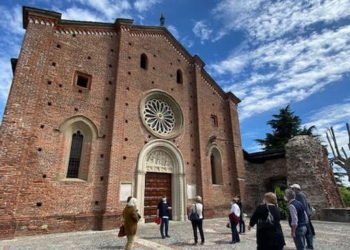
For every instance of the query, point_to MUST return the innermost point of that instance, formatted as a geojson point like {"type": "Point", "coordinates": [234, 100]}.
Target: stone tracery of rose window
{"type": "Point", "coordinates": [159, 116]}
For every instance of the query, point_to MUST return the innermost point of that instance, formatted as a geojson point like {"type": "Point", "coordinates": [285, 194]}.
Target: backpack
{"type": "Point", "coordinates": [193, 215]}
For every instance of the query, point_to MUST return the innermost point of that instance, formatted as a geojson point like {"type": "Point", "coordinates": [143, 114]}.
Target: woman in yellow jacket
{"type": "Point", "coordinates": [131, 217]}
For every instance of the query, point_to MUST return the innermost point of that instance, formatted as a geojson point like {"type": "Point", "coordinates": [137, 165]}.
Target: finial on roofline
{"type": "Point", "coordinates": [162, 20]}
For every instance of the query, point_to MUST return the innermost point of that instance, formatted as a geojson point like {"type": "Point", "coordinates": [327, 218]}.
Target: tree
{"type": "Point", "coordinates": [339, 156]}
{"type": "Point", "coordinates": [285, 126]}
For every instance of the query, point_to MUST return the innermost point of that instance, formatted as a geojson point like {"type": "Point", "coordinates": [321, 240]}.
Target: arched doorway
{"type": "Point", "coordinates": [160, 159]}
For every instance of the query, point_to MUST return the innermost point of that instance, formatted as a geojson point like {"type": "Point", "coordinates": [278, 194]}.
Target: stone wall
{"type": "Point", "coordinates": [304, 162]}
{"type": "Point", "coordinates": [307, 165]}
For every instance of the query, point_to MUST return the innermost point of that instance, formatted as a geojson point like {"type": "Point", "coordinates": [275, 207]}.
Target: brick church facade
{"type": "Point", "coordinates": [101, 111]}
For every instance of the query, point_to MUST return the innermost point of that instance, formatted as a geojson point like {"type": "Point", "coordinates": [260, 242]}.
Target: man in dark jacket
{"type": "Point", "coordinates": [241, 217]}
{"type": "Point", "coordinates": [301, 197]}
{"type": "Point", "coordinates": [164, 214]}
{"type": "Point", "coordinates": [297, 220]}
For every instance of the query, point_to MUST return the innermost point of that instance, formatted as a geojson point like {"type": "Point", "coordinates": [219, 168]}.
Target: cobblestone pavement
{"type": "Point", "coordinates": [329, 236]}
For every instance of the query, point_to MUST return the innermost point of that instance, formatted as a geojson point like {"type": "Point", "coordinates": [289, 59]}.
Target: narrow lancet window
{"type": "Point", "coordinates": [143, 61]}
{"type": "Point", "coordinates": [179, 76]}
{"type": "Point", "coordinates": [75, 155]}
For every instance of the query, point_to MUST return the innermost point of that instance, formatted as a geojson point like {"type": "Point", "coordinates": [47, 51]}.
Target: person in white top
{"type": "Point", "coordinates": [197, 219]}
{"type": "Point", "coordinates": [237, 212]}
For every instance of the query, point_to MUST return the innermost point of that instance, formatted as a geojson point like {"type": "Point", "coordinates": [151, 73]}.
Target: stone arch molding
{"type": "Point", "coordinates": [162, 156]}
{"type": "Point", "coordinates": [81, 120]}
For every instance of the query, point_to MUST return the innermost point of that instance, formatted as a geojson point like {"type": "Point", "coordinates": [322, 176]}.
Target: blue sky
{"type": "Point", "coordinates": [269, 53]}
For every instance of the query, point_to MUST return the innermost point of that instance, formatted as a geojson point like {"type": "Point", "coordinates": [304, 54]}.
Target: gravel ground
{"type": "Point", "coordinates": [329, 236]}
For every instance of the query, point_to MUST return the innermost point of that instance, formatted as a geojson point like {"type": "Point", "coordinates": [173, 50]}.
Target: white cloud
{"type": "Point", "coordinates": [336, 116]}
{"type": "Point", "coordinates": [173, 31]}
{"type": "Point", "coordinates": [286, 70]}
{"type": "Point", "coordinates": [270, 19]}
{"type": "Point", "coordinates": [202, 30]}
{"type": "Point", "coordinates": [144, 5]}
{"type": "Point", "coordinates": [11, 20]}
{"type": "Point", "coordinates": [5, 79]}
{"type": "Point", "coordinates": [75, 13]}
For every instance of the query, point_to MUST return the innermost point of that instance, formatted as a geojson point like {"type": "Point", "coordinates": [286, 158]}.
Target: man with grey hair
{"type": "Point", "coordinates": [301, 197]}
{"type": "Point", "coordinates": [297, 220]}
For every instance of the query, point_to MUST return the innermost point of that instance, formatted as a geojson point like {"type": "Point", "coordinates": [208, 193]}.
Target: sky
{"type": "Point", "coordinates": [269, 53]}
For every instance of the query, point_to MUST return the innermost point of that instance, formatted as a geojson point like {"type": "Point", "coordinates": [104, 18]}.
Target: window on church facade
{"type": "Point", "coordinates": [75, 155]}
{"type": "Point", "coordinates": [179, 76]}
{"type": "Point", "coordinates": [214, 120]}
{"type": "Point", "coordinates": [215, 164]}
{"type": "Point", "coordinates": [144, 61]}
{"type": "Point", "coordinates": [82, 80]}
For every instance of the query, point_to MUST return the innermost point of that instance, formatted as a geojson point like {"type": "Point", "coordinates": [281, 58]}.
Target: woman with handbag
{"type": "Point", "coordinates": [131, 218]}
{"type": "Point", "coordinates": [269, 235]}
{"type": "Point", "coordinates": [196, 218]}
{"type": "Point", "coordinates": [234, 215]}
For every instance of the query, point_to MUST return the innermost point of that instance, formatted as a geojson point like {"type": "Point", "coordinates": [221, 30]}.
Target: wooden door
{"type": "Point", "coordinates": [156, 185]}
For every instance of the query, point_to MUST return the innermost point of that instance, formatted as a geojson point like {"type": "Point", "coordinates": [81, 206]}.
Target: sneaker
{"type": "Point", "coordinates": [168, 236]}
{"type": "Point", "coordinates": [202, 243]}
{"type": "Point", "coordinates": [195, 243]}
{"type": "Point", "coordinates": [163, 237]}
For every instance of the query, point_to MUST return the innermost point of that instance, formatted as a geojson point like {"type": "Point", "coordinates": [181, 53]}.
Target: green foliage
{"type": "Point", "coordinates": [282, 204]}
{"type": "Point", "coordinates": [285, 125]}
{"type": "Point", "coordinates": [345, 195]}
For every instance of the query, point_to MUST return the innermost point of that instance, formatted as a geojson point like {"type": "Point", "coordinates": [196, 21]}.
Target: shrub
{"type": "Point", "coordinates": [282, 204]}
{"type": "Point", "coordinates": [345, 195]}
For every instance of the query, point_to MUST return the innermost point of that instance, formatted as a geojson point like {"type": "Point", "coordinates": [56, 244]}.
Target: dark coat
{"type": "Point", "coordinates": [268, 238]}
{"type": "Point", "coordinates": [130, 220]}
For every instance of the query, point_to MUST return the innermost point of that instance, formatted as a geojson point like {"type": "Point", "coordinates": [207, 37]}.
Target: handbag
{"type": "Point", "coordinates": [121, 231]}
{"type": "Point", "coordinates": [157, 220]}
{"type": "Point", "coordinates": [233, 218]}
{"type": "Point", "coordinates": [268, 223]}
{"type": "Point", "coordinates": [194, 215]}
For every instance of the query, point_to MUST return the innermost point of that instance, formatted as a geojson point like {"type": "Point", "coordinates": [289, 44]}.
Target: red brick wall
{"type": "Point", "coordinates": [45, 73]}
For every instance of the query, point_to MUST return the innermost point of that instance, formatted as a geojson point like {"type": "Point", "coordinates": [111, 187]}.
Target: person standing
{"type": "Point", "coordinates": [268, 237]}
{"type": "Point", "coordinates": [301, 197]}
{"type": "Point", "coordinates": [196, 217]}
{"type": "Point", "coordinates": [164, 214]}
{"type": "Point", "coordinates": [131, 218]}
{"type": "Point", "coordinates": [235, 213]}
{"type": "Point", "coordinates": [297, 220]}
{"type": "Point", "coordinates": [241, 218]}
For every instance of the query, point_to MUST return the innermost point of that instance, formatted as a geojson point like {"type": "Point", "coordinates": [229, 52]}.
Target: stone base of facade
{"type": "Point", "coordinates": [25, 226]}
{"type": "Point", "coordinates": [335, 214]}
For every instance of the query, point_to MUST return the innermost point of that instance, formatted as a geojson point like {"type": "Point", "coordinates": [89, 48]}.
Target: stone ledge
{"type": "Point", "coordinates": [335, 214]}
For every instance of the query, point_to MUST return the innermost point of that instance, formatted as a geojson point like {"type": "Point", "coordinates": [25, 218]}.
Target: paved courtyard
{"type": "Point", "coordinates": [329, 235]}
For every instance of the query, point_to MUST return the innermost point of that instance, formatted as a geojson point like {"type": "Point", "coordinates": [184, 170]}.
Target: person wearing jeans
{"type": "Point", "coordinates": [164, 214]}
{"type": "Point", "coordinates": [297, 220]}
{"type": "Point", "coordinates": [197, 208]}
{"type": "Point", "coordinates": [236, 212]}
{"type": "Point", "coordinates": [301, 197]}
{"type": "Point", "coordinates": [241, 218]}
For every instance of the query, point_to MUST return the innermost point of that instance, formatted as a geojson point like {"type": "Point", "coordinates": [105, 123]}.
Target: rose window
{"type": "Point", "coordinates": [159, 116]}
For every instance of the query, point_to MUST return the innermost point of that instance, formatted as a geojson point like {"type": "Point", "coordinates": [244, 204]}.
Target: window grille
{"type": "Point", "coordinates": [75, 155]}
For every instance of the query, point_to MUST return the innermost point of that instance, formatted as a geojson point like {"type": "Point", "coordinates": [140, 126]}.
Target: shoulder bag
{"type": "Point", "coordinates": [268, 223]}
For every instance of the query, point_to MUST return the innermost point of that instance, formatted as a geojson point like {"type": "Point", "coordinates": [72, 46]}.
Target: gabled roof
{"type": "Point", "coordinates": [55, 17]}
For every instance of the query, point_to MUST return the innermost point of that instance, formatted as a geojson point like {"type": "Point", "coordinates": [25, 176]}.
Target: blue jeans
{"type": "Point", "coordinates": [164, 223]}
{"type": "Point", "coordinates": [299, 239]}
{"type": "Point", "coordinates": [309, 236]}
{"type": "Point", "coordinates": [235, 235]}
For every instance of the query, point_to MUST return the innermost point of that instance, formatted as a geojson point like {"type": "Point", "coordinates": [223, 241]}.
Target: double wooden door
{"type": "Point", "coordinates": [156, 185]}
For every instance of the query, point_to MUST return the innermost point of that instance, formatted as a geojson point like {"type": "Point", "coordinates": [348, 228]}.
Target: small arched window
{"type": "Point", "coordinates": [215, 164]}
{"type": "Point", "coordinates": [143, 61]}
{"type": "Point", "coordinates": [179, 76]}
{"type": "Point", "coordinates": [75, 155]}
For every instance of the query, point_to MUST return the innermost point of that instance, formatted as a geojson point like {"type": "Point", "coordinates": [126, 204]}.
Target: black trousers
{"type": "Point", "coordinates": [164, 223]}
{"type": "Point", "coordinates": [241, 225]}
{"type": "Point", "coordinates": [197, 224]}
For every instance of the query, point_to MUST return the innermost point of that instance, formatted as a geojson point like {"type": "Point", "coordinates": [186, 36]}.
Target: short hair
{"type": "Point", "coordinates": [290, 194]}
{"type": "Point", "coordinates": [198, 198]}
{"type": "Point", "coordinates": [132, 202]}
{"type": "Point", "coordinates": [270, 197]}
